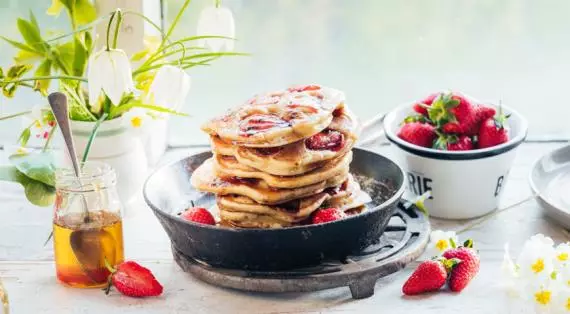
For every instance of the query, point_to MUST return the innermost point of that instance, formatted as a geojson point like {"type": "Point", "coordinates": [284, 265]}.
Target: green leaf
{"type": "Point", "coordinates": [20, 45]}
{"type": "Point", "coordinates": [65, 53]}
{"type": "Point", "coordinates": [84, 12]}
{"type": "Point", "coordinates": [55, 8]}
{"type": "Point", "coordinates": [31, 35]}
{"type": "Point", "coordinates": [138, 56]}
{"type": "Point", "coordinates": [88, 42]}
{"type": "Point", "coordinates": [1, 73]}
{"type": "Point", "coordinates": [24, 137]}
{"type": "Point", "coordinates": [9, 90]}
{"type": "Point", "coordinates": [44, 69]}
{"type": "Point", "coordinates": [36, 192]}
{"type": "Point", "coordinates": [80, 58]}
{"type": "Point", "coordinates": [37, 166]}
{"type": "Point", "coordinates": [69, 4]}
{"type": "Point", "coordinates": [24, 56]}
{"type": "Point", "coordinates": [77, 109]}
{"type": "Point", "coordinates": [119, 110]}
{"type": "Point", "coordinates": [16, 71]}
{"type": "Point", "coordinates": [34, 21]}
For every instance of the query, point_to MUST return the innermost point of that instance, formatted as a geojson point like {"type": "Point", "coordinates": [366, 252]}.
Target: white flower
{"type": "Point", "coordinates": [216, 21]}
{"type": "Point", "coordinates": [109, 71]}
{"type": "Point", "coordinates": [40, 121]}
{"type": "Point", "coordinates": [169, 87]}
{"type": "Point", "coordinates": [536, 258]}
{"type": "Point", "coordinates": [561, 255]}
{"type": "Point", "coordinates": [440, 241]}
{"type": "Point", "coordinates": [137, 118]}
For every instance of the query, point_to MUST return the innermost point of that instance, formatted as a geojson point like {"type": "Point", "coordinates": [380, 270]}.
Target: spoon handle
{"type": "Point", "coordinates": [58, 103]}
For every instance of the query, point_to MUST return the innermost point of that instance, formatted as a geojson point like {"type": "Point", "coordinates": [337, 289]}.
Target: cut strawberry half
{"type": "Point", "coordinates": [133, 280]}
{"type": "Point", "coordinates": [302, 88]}
{"type": "Point", "coordinates": [326, 140]}
{"type": "Point", "coordinates": [261, 122]}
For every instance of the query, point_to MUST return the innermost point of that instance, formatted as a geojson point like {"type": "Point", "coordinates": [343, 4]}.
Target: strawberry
{"type": "Point", "coordinates": [463, 272]}
{"type": "Point", "coordinates": [327, 215]}
{"type": "Point", "coordinates": [133, 280]}
{"type": "Point", "coordinates": [454, 113]}
{"type": "Point", "coordinates": [421, 134]}
{"type": "Point", "coordinates": [493, 132]}
{"type": "Point", "coordinates": [429, 276]}
{"type": "Point", "coordinates": [483, 112]}
{"type": "Point", "coordinates": [326, 140]}
{"type": "Point", "coordinates": [199, 215]}
{"type": "Point", "coordinates": [453, 142]}
{"type": "Point", "coordinates": [426, 102]}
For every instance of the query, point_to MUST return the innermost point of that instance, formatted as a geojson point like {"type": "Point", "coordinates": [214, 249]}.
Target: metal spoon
{"type": "Point", "coordinates": [58, 104]}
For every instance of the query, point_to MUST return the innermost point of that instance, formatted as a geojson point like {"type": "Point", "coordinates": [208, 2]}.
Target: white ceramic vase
{"type": "Point", "coordinates": [119, 146]}
{"type": "Point", "coordinates": [156, 142]}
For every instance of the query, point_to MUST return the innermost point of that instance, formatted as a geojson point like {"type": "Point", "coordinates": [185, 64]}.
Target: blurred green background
{"type": "Point", "coordinates": [380, 52]}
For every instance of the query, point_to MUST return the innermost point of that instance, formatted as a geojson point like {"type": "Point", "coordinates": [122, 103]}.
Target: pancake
{"type": "Point", "coordinates": [289, 212]}
{"type": "Point", "coordinates": [228, 167]}
{"type": "Point", "coordinates": [204, 179]}
{"type": "Point", "coordinates": [278, 118]}
{"type": "Point", "coordinates": [245, 220]}
{"type": "Point", "coordinates": [299, 157]}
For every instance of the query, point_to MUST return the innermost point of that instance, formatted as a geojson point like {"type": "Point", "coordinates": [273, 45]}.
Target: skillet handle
{"type": "Point", "coordinates": [373, 132]}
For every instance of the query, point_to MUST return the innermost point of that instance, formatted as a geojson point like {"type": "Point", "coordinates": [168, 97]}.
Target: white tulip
{"type": "Point", "coordinates": [216, 21]}
{"type": "Point", "coordinates": [169, 87]}
{"type": "Point", "coordinates": [109, 71]}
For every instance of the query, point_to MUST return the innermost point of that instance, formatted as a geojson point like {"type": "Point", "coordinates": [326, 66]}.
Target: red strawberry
{"type": "Point", "coordinates": [463, 272]}
{"type": "Point", "coordinates": [421, 134]}
{"type": "Point", "coordinates": [493, 132]}
{"type": "Point", "coordinates": [454, 113]}
{"type": "Point", "coordinates": [453, 142]}
{"type": "Point", "coordinates": [427, 101]}
{"type": "Point", "coordinates": [199, 215]}
{"type": "Point", "coordinates": [326, 140]}
{"type": "Point", "coordinates": [327, 215]}
{"type": "Point", "coordinates": [483, 112]}
{"type": "Point", "coordinates": [429, 276]}
{"type": "Point", "coordinates": [134, 280]}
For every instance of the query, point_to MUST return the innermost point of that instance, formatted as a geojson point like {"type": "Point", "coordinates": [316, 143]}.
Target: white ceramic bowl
{"type": "Point", "coordinates": [463, 184]}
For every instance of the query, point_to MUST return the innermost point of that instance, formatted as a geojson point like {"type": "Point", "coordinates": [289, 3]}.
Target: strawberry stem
{"type": "Point", "coordinates": [468, 243]}
{"type": "Point", "coordinates": [109, 267]}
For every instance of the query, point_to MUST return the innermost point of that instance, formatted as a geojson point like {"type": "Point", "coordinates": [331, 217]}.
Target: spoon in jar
{"type": "Point", "coordinates": [58, 104]}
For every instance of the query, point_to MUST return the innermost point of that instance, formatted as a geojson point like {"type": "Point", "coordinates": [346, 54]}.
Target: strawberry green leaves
{"type": "Point", "coordinates": [438, 112]}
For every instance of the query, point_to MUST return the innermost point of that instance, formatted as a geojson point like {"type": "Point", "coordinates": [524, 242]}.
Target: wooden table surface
{"type": "Point", "coordinates": [27, 269]}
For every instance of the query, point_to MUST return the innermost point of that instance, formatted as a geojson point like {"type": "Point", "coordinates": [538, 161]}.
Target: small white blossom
{"type": "Point", "coordinates": [137, 118]}
{"type": "Point", "coordinates": [561, 255]}
{"type": "Point", "coordinates": [440, 241]}
{"type": "Point", "coordinates": [109, 71]}
{"type": "Point", "coordinates": [536, 258]}
{"type": "Point", "coordinates": [216, 21]}
{"type": "Point", "coordinates": [40, 121]}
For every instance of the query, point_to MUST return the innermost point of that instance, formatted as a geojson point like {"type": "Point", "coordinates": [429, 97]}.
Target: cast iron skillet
{"type": "Point", "coordinates": [168, 192]}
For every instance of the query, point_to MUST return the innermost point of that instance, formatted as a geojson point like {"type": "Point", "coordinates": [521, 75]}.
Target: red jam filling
{"type": "Point", "coordinates": [268, 151]}
{"type": "Point", "coordinates": [240, 180]}
{"type": "Point", "coordinates": [326, 140]}
{"type": "Point", "coordinates": [332, 191]}
{"type": "Point", "coordinates": [302, 88]}
{"type": "Point", "coordinates": [338, 112]}
{"type": "Point", "coordinates": [260, 122]}
{"type": "Point", "coordinates": [303, 108]}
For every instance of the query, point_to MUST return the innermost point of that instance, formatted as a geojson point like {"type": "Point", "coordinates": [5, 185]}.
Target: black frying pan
{"type": "Point", "coordinates": [168, 192]}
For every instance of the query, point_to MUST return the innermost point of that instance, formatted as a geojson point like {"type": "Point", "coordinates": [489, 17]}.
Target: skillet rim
{"type": "Point", "coordinates": [384, 205]}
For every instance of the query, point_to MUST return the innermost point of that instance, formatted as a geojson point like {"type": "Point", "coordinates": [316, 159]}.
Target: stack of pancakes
{"type": "Point", "coordinates": [281, 156]}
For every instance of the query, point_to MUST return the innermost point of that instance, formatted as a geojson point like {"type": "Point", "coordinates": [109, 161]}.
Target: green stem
{"type": "Point", "coordinates": [184, 65]}
{"type": "Point", "coordinates": [117, 27]}
{"type": "Point", "coordinates": [40, 78]}
{"type": "Point", "coordinates": [15, 115]}
{"type": "Point", "coordinates": [48, 141]}
{"type": "Point", "coordinates": [175, 22]}
{"type": "Point", "coordinates": [218, 3]}
{"type": "Point", "coordinates": [109, 28]}
{"type": "Point", "coordinates": [153, 24]}
{"type": "Point", "coordinates": [92, 136]}
{"type": "Point", "coordinates": [168, 54]}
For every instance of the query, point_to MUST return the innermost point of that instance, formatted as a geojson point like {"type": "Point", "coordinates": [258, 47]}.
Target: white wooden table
{"type": "Point", "coordinates": [28, 273]}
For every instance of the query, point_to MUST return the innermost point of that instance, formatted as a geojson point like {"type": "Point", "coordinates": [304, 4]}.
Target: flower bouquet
{"type": "Point", "coordinates": [106, 94]}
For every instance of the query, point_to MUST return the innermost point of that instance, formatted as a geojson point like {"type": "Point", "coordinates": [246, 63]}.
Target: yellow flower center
{"type": "Point", "coordinates": [568, 304]}
{"type": "Point", "coordinates": [441, 245]}
{"type": "Point", "coordinates": [37, 124]}
{"type": "Point", "coordinates": [538, 266]}
{"type": "Point", "coordinates": [136, 122]}
{"type": "Point", "coordinates": [542, 297]}
{"type": "Point", "coordinates": [562, 257]}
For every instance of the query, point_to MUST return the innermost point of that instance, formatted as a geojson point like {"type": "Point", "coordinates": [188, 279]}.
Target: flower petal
{"type": "Point", "coordinates": [216, 22]}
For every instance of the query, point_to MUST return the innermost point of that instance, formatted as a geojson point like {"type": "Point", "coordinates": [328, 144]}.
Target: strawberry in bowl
{"type": "Point", "coordinates": [458, 148]}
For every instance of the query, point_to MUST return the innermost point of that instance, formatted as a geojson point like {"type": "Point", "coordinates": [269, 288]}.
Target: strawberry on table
{"type": "Point", "coordinates": [430, 275]}
{"type": "Point", "coordinates": [466, 270]}
{"type": "Point", "coordinates": [493, 132]}
{"type": "Point", "coordinates": [134, 280]}
{"type": "Point", "coordinates": [453, 142]}
{"type": "Point", "coordinates": [327, 215]}
{"type": "Point", "coordinates": [199, 215]}
{"type": "Point", "coordinates": [421, 134]}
